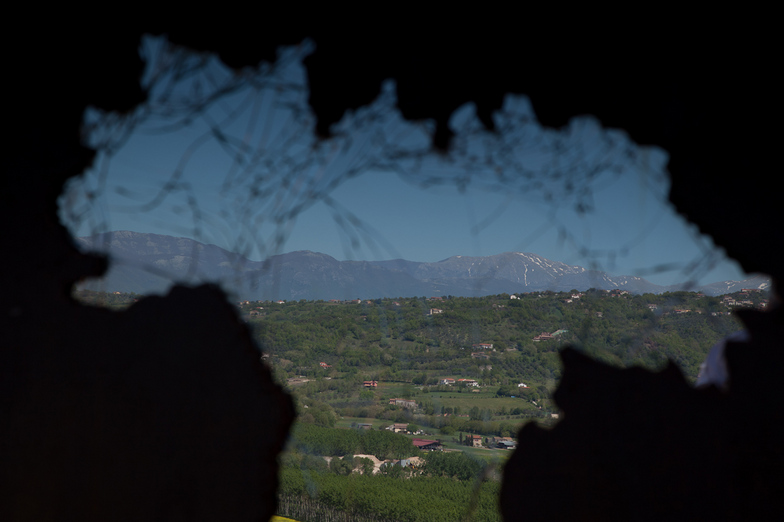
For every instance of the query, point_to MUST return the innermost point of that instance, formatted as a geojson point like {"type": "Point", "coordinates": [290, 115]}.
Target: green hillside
{"type": "Point", "coordinates": [400, 341]}
{"type": "Point", "coordinates": [446, 370]}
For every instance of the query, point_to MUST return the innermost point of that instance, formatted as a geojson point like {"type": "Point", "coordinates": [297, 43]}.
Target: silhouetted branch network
{"type": "Point", "coordinates": [260, 121]}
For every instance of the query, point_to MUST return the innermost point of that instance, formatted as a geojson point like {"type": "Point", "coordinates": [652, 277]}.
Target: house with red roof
{"type": "Point", "coordinates": [427, 445]}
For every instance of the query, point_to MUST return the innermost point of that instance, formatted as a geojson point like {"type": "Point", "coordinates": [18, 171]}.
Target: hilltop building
{"type": "Point", "coordinates": [405, 403]}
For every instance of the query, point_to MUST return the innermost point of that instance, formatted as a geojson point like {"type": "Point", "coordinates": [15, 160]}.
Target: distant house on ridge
{"type": "Point", "coordinates": [405, 403]}
{"type": "Point", "coordinates": [428, 445]}
{"type": "Point", "coordinates": [544, 336]}
{"type": "Point", "coordinates": [398, 428]}
{"type": "Point", "coordinates": [474, 440]}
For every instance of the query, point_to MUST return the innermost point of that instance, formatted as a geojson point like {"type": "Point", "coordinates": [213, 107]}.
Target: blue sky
{"type": "Point", "coordinates": [237, 189]}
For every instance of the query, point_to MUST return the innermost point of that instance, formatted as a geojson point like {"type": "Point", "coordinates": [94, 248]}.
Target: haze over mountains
{"type": "Point", "coordinates": [148, 263]}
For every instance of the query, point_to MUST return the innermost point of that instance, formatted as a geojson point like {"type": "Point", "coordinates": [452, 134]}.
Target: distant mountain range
{"type": "Point", "coordinates": [148, 263]}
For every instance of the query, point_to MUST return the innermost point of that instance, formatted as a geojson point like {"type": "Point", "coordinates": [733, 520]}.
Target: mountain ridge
{"type": "Point", "coordinates": [150, 263]}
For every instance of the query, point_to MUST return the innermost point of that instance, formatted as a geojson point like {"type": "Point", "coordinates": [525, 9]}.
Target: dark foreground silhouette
{"type": "Point", "coordinates": [164, 411]}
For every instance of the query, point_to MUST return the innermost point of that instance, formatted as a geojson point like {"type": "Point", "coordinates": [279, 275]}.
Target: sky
{"type": "Point", "coordinates": [246, 174]}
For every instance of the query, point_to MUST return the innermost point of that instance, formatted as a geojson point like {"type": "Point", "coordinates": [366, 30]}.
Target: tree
{"type": "Point", "coordinates": [366, 465]}
{"type": "Point", "coordinates": [342, 466]}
